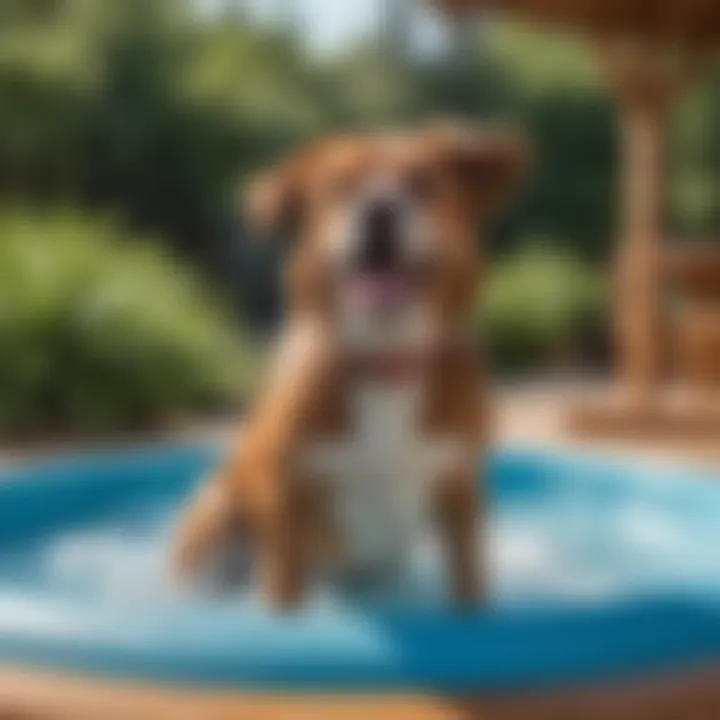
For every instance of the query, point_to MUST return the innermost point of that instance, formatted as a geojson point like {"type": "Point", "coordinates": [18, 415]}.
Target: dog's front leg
{"type": "Point", "coordinates": [285, 550]}
{"type": "Point", "coordinates": [458, 515]}
{"type": "Point", "coordinates": [205, 523]}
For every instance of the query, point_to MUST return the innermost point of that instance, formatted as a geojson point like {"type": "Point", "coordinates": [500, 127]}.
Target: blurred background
{"type": "Point", "coordinates": [130, 296]}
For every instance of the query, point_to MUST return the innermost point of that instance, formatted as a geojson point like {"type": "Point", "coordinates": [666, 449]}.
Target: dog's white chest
{"type": "Point", "coordinates": [383, 471]}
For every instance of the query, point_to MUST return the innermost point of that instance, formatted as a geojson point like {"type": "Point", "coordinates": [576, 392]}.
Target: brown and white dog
{"type": "Point", "coordinates": [373, 416]}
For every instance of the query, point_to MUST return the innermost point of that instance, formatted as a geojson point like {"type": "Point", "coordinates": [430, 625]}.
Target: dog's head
{"type": "Point", "coordinates": [386, 227]}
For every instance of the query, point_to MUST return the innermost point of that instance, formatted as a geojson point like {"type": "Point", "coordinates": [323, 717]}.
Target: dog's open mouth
{"type": "Point", "coordinates": [382, 293]}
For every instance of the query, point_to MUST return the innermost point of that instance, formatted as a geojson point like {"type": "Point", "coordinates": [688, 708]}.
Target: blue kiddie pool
{"type": "Point", "coordinates": [600, 571]}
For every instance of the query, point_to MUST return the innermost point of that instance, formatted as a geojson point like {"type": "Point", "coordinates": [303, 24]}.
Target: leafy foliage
{"type": "Point", "coordinates": [98, 333]}
{"type": "Point", "coordinates": [540, 306]}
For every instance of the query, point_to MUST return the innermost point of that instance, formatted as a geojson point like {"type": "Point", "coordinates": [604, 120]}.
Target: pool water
{"type": "Point", "coordinates": [577, 539]}
{"type": "Point", "coordinates": [84, 551]}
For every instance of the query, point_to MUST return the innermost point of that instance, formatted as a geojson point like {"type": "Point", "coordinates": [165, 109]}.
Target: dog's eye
{"type": "Point", "coordinates": [423, 184]}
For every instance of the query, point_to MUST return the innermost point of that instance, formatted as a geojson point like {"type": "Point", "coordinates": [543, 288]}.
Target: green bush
{"type": "Point", "coordinates": [539, 307]}
{"type": "Point", "coordinates": [99, 333]}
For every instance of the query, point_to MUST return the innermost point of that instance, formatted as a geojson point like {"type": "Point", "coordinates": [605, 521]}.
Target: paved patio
{"type": "Point", "coordinates": [535, 414]}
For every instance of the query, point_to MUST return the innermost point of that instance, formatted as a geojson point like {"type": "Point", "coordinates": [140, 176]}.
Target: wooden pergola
{"type": "Point", "coordinates": [650, 51]}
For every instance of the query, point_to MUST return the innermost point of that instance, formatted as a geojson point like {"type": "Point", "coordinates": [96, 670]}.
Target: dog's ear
{"type": "Point", "coordinates": [488, 162]}
{"type": "Point", "coordinates": [274, 201]}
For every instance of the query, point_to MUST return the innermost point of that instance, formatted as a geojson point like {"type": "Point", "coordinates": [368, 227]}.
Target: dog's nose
{"type": "Point", "coordinates": [381, 242]}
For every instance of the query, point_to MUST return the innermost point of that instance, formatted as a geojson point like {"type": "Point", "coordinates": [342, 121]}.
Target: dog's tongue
{"type": "Point", "coordinates": [379, 291]}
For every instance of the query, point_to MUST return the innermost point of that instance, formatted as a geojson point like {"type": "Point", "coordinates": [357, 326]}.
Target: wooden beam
{"type": "Point", "coordinates": [637, 320]}
{"type": "Point", "coordinates": [647, 79]}
{"type": "Point", "coordinates": [696, 21]}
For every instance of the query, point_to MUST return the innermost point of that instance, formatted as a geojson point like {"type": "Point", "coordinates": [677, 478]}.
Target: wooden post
{"type": "Point", "coordinates": [637, 318]}
{"type": "Point", "coordinates": [646, 84]}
